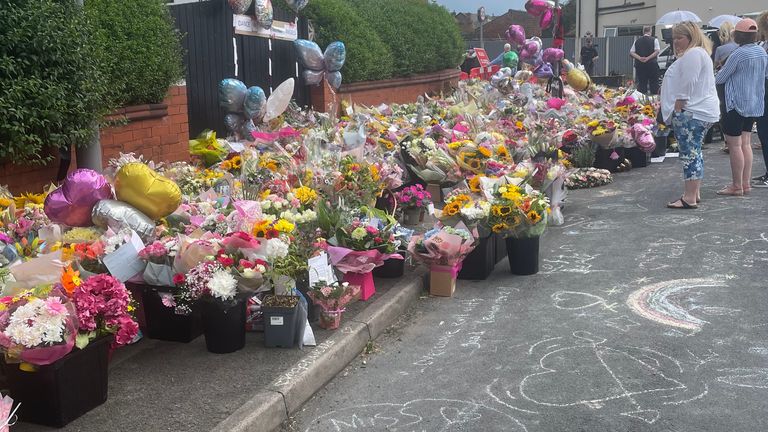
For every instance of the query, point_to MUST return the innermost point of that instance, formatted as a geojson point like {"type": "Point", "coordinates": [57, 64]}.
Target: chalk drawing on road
{"type": "Point", "coordinates": [622, 323]}
{"type": "Point", "coordinates": [661, 254]}
{"type": "Point", "coordinates": [716, 239]}
{"type": "Point", "coordinates": [745, 377]}
{"type": "Point", "coordinates": [659, 302]}
{"type": "Point", "coordinates": [576, 300]}
{"type": "Point", "coordinates": [571, 263]}
{"type": "Point", "coordinates": [586, 372]}
{"type": "Point", "coordinates": [417, 415]}
{"type": "Point", "coordinates": [619, 207]}
{"type": "Point", "coordinates": [672, 220]}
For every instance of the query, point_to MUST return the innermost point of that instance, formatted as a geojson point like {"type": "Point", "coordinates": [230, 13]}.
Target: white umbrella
{"type": "Point", "coordinates": [678, 16]}
{"type": "Point", "coordinates": [719, 20]}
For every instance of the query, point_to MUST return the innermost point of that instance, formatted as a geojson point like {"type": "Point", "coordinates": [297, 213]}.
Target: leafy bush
{"type": "Point", "coordinates": [423, 37]}
{"type": "Point", "coordinates": [51, 88]}
{"type": "Point", "coordinates": [368, 57]}
{"type": "Point", "coordinates": [144, 48]}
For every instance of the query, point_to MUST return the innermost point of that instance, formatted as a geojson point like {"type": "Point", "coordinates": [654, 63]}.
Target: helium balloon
{"type": "Point", "coordinates": [313, 77]}
{"type": "Point", "coordinates": [279, 99]}
{"type": "Point", "coordinates": [71, 204]}
{"type": "Point", "coordinates": [516, 34]}
{"type": "Point", "coordinates": [264, 13]}
{"type": "Point", "coordinates": [111, 213]}
{"type": "Point", "coordinates": [553, 55]}
{"type": "Point", "coordinates": [232, 94]}
{"type": "Point", "coordinates": [297, 5]}
{"type": "Point", "coordinates": [255, 102]}
{"type": "Point", "coordinates": [240, 6]}
{"type": "Point", "coordinates": [248, 129]}
{"type": "Point", "coordinates": [233, 122]}
{"type": "Point", "coordinates": [578, 79]}
{"type": "Point", "coordinates": [334, 79]}
{"type": "Point", "coordinates": [335, 55]}
{"type": "Point", "coordinates": [152, 194]}
{"type": "Point", "coordinates": [538, 7]}
{"type": "Point", "coordinates": [545, 21]}
{"type": "Point", "coordinates": [310, 55]}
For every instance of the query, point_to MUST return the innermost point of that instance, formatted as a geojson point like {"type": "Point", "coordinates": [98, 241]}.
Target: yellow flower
{"type": "Point", "coordinates": [226, 165]}
{"type": "Point", "coordinates": [265, 194]}
{"type": "Point", "coordinates": [499, 227]}
{"type": "Point", "coordinates": [474, 183]}
{"type": "Point", "coordinates": [237, 162]}
{"type": "Point", "coordinates": [452, 209]}
{"type": "Point", "coordinates": [455, 145]}
{"type": "Point", "coordinates": [260, 229]}
{"type": "Point", "coordinates": [375, 173]}
{"type": "Point", "coordinates": [5, 202]}
{"type": "Point", "coordinates": [502, 152]}
{"type": "Point", "coordinates": [70, 279]}
{"type": "Point", "coordinates": [29, 198]}
{"type": "Point", "coordinates": [593, 124]}
{"type": "Point", "coordinates": [511, 195]}
{"type": "Point", "coordinates": [534, 216]}
{"type": "Point", "coordinates": [284, 226]}
{"type": "Point", "coordinates": [599, 131]}
{"type": "Point", "coordinates": [305, 195]}
{"type": "Point", "coordinates": [484, 151]}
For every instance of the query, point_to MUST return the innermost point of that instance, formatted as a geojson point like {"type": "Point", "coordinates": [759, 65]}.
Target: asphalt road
{"type": "Point", "coordinates": [642, 318]}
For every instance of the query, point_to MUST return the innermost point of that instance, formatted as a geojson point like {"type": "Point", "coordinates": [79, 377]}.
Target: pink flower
{"type": "Point", "coordinates": [326, 291]}
{"type": "Point", "coordinates": [178, 278]}
{"type": "Point", "coordinates": [54, 306]}
{"type": "Point", "coordinates": [167, 300]}
{"type": "Point", "coordinates": [371, 230]}
{"type": "Point", "coordinates": [126, 331]}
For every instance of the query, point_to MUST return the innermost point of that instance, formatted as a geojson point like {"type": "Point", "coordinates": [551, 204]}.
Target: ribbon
{"type": "Point", "coordinates": [453, 270]}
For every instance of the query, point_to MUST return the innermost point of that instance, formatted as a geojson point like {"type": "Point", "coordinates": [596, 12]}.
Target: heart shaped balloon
{"type": "Point", "coordinates": [546, 19]}
{"type": "Point", "coordinates": [553, 55]}
{"type": "Point", "coordinates": [255, 102]}
{"type": "Point", "coordinates": [239, 6]}
{"type": "Point", "coordinates": [516, 34]}
{"type": "Point", "coordinates": [310, 55]}
{"type": "Point", "coordinates": [531, 48]}
{"type": "Point", "coordinates": [297, 5]}
{"type": "Point", "coordinates": [264, 13]}
{"type": "Point", "coordinates": [152, 194]}
{"type": "Point", "coordinates": [335, 55]}
{"type": "Point", "coordinates": [71, 204]}
{"type": "Point", "coordinates": [116, 214]}
{"type": "Point", "coordinates": [538, 7]}
{"type": "Point", "coordinates": [232, 95]}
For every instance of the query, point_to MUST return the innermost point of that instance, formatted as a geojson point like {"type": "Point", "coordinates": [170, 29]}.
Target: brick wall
{"type": "Point", "coordinates": [160, 132]}
{"type": "Point", "coordinates": [398, 90]}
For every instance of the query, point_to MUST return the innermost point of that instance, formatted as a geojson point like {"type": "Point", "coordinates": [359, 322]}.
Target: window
{"type": "Point", "coordinates": [631, 31]}
{"type": "Point", "coordinates": [610, 32]}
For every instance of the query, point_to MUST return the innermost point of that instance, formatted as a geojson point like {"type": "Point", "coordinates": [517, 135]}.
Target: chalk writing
{"type": "Point", "coordinates": [303, 365]}
{"type": "Point", "coordinates": [745, 377]}
{"type": "Point", "coordinates": [575, 300]}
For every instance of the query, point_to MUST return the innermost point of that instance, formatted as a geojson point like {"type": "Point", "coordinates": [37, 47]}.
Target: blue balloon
{"type": "Point", "coordinates": [248, 129]}
{"type": "Point", "coordinates": [255, 103]}
{"type": "Point", "coordinates": [335, 55]}
{"type": "Point", "coordinates": [334, 79]}
{"type": "Point", "coordinates": [313, 77]}
{"type": "Point", "coordinates": [232, 95]}
{"type": "Point", "coordinates": [309, 54]}
{"type": "Point", "coordinates": [234, 122]}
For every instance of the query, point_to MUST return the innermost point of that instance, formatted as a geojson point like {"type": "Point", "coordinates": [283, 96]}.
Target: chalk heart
{"type": "Point", "coordinates": [149, 192]}
{"type": "Point", "coordinates": [71, 204]}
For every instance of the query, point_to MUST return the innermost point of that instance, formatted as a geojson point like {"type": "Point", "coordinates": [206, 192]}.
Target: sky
{"type": "Point", "coordinates": [492, 7]}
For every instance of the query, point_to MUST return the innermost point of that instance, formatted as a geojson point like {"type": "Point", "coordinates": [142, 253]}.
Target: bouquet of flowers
{"type": "Point", "coordinates": [460, 206]}
{"type": "Point", "coordinates": [430, 162]}
{"type": "Point", "coordinates": [588, 178]}
{"type": "Point", "coordinates": [413, 197]}
{"type": "Point", "coordinates": [37, 326]}
{"type": "Point", "coordinates": [332, 297]}
{"type": "Point", "coordinates": [159, 255]}
{"type": "Point", "coordinates": [443, 249]}
{"type": "Point", "coordinates": [518, 210]}
{"type": "Point", "coordinates": [104, 306]}
{"type": "Point", "coordinates": [601, 132]}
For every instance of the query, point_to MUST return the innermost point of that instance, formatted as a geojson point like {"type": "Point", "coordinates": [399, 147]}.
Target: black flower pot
{"type": "Point", "coordinates": [280, 324]}
{"type": "Point", "coordinates": [224, 327]}
{"type": "Point", "coordinates": [163, 323]}
{"type": "Point", "coordinates": [523, 255]}
{"type": "Point", "coordinates": [479, 264]}
{"type": "Point", "coordinates": [391, 269]}
{"type": "Point", "coordinates": [56, 394]}
{"type": "Point", "coordinates": [639, 158]}
{"type": "Point", "coordinates": [313, 310]}
{"type": "Point", "coordinates": [603, 159]}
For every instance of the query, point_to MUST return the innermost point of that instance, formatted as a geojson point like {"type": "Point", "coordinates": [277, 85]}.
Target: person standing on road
{"type": "Point", "coordinates": [744, 75]}
{"type": "Point", "coordinates": [644, 51]}
{"type": "Point", "coordinates": [727, 45]}
{"type": "Point", "coordinates": [762, 122]}
{"type": "Point", "coordinates": [689, 103]}
{"type": "Point", "coordinates": [499, 60]}
{"type": "Point", "coordinates": [588, 56]}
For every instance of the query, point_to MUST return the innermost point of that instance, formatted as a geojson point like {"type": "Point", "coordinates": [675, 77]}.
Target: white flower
{"type": "Point", "coordinates": [275, 249]}
{"type": "Point", "coordinates": [250, 273]}
{"type": "Point", "coordinates": [266, 204]}
{"type": "Point", "coordinates": [32, 325]}
{"type": "Point", "coordinates": [223, 285]}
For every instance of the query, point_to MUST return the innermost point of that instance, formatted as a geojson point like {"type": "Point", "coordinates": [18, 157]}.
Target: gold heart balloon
{"type": "Point", "coordinates": [152, 194]}
{"type": "Point", "coordinates": [578, 79]}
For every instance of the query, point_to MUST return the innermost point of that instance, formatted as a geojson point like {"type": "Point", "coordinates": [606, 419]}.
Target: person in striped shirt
{"type": "Point", "coordinates": [762, 122]}
{"type": "Point", "coordinates": [744, 75]}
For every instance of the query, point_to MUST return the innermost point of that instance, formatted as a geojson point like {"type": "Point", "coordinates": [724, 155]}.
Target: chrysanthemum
{"type": "Point", "coordinates": [223, 285]}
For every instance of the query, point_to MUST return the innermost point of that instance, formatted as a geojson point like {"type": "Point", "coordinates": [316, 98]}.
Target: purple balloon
{"type": "Point", "coordinates": [516, 34]}
{"type": "Point", "coordinates": [553, 55]}
{"type": "Point", "coordinates": [72, 203]}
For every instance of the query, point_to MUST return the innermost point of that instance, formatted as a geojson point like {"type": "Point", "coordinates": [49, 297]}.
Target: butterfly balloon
{"type": "Point", "coordinates": [321, 65]}
{"type": "Point", "coordinates": [248, 107]}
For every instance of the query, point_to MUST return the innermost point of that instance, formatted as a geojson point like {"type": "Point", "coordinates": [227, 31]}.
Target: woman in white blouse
{"type": "Point", "coordinates": [689, 103]}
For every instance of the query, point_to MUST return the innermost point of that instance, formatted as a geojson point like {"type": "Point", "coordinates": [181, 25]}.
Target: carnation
{"type": "Point", "coordinates": [275, 249]}
{"type": "Point", "coordinates": [222, 285]}
{"type": "Point", "coordinates": [38, 323]}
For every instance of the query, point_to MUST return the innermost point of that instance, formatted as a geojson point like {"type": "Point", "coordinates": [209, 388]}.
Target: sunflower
{"type": "Point", "coordinates": [505, 210]}
{"type": "Point", "coordinates": [237, 162]}
{"type": "Point", "coordinates": [452, 209]}
{"type": "Point", "coordinates": [474, 164]}
{"type": "Point", "coordinates": [29, 198]}
{"type": "Point", "coordinates": [485, 151]}
{"type": "Point", "coordinates": [261, 229]}
{"type": "Point", "coordinates": [502, 152]}
{"type": "Point", "coordinates": [5, 202]}
{"type": "Point", "coordinates": [534, 216]}
{"type": "Point", "coordinates": [375, 173]}
{"type": "Point", "coordinates": [499, 227]}
{"type": "Point", "coordinates": [474, 184]}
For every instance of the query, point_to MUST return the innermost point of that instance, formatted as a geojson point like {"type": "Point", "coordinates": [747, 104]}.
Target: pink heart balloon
{"type": "Point", "coordinates": [546, 19]}
{"type": "Point", "coordinates": [553, 55]}
{"type": "Point", "coordinates": [538, 7]}
{"type": "Point", "coordinates": [516, 34]}
{"type": "Point", "coordinates": [72, 203]}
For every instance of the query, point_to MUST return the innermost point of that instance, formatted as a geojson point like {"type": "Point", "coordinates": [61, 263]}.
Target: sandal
{"type": "Point", "coordinates": [684, 206]}
{"type": "Point", "coordinates": [730, 190]}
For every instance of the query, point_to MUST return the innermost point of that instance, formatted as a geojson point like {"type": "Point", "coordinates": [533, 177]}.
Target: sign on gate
{"type": "Point", "coordinates": [248, 25]}
{"type": "Point", "coordinates": [482, 57]}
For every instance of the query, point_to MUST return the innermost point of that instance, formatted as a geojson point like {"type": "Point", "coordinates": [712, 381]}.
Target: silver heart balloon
{"type": "Point", "coordinates": [313, 77]}
{"type": "Point", "coordinates": [335, 55]}
{"type": "Point", "coordinates": [334, 79]}
{"type": "Point", "coordinates": [297, 5]}
{"type": "Point", "coordinates": [232, 94]}
{"type": "Point", "coordinates": [234, 122]}
{"type": "Point", "coordinates": [116, 214]}
{"type": "Point", "coordinates": [264, 13]}
{"type": "Point", "coordinates": [255, 102]}
{"type": "Point", "coordinates": [310, 55]}
{"type": "Point", "coordinates": [239, 6]}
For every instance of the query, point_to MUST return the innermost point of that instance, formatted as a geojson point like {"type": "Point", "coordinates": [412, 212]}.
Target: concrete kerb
{"type": "Point", "coordinates": [268, 408]}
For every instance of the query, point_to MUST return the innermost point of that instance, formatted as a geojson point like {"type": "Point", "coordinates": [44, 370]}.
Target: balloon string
{"type": "Point", "coordinates": [333, 107]}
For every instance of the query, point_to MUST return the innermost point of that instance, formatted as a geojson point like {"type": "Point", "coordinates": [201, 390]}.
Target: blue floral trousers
{"type": "Point", "coordinates": [690, 133]}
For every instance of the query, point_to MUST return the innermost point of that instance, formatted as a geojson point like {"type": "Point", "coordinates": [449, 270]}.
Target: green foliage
{"type": "Point", "coordinates": [51, 88]}
{"type": "Point", "coordinates": [144, 55]}
{"type": "Point", "coordinates": [583, 156]}
{"type": "Point", "coordinates": [368, 57]}
{"type": "Point", "coordinates": [423, 37]}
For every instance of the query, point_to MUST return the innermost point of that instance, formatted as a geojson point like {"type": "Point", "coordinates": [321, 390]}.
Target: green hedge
{"type": "Point", "coordinates": [51, 88]}
{"type": "Point", "coordinates": [423, 37]}
{"type": "Point", "coordinates": [145, 55]}
{"type": "Point", "coordinates": [368, 57]}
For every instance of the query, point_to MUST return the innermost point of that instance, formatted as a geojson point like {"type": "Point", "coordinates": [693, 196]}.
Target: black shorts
{"type": "Point", "coordinates": [734, 124]}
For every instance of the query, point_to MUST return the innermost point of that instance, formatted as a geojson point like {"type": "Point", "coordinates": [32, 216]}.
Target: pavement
{"type": "Point", "coordinates": [558, 351]}
{"type": "Point", "coordinates": [641, 318]}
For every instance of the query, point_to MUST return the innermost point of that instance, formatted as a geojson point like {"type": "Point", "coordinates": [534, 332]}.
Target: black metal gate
{"type": "Point", "coordinates": [210, 44]}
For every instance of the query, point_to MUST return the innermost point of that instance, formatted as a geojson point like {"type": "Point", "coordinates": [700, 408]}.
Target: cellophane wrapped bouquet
{"type": "Point", "coordinates": [333, 297]}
